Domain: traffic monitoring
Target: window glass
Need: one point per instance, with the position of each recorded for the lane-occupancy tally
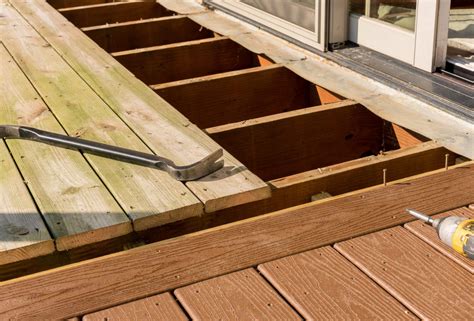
(299, 12)
(401, 13)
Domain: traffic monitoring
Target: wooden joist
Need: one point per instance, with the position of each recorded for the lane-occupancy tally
(239, 95)
(159, 125)
(74, 3)
(75, 204)
(113, 12)
(111, 280)
(160, 64)
(288, 143)
(146, 33)
(23, 234)
(82, 113)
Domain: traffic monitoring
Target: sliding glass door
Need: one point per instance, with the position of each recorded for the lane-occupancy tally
(300, 20)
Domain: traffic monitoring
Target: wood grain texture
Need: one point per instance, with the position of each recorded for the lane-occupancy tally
(160, 307)
(243, 295)
(121, 277)
(323, 285)
(150, 197)
(424, 280)
(112, 12)
(429, 235)
(146, 33)
(23, 234)
(159, 125)
(238, 95)
(75, 204)
(155, 65)
(279, 145)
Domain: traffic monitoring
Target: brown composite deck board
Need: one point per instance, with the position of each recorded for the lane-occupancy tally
(160, 307)
(429, 235)
(243, 295)
(321, 284)
(424, 280)
(121, 277)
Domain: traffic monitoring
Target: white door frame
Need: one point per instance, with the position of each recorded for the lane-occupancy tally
(424, 48)
(317, 39)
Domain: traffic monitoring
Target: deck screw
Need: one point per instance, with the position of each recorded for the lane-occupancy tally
(384, 177)
(446, 161)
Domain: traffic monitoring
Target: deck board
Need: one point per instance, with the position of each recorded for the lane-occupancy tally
(159, 125)
(23, 234)
(149, 196)
(160, 307)
(429, 235)
(424, 280)
(243, 295)
(159, 267)
(71, 197)
(323, 285)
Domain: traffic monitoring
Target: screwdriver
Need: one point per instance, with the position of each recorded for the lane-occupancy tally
(455, 231)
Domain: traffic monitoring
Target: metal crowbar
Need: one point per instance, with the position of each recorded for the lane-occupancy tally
(204, 167)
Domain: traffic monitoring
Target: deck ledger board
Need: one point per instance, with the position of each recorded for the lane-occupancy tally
(199, 256)
(159, 125)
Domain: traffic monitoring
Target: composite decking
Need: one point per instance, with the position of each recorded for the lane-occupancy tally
(150, 77)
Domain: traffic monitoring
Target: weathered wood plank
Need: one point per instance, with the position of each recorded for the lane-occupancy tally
(279, 145)
(238, 95)
(243, 295)
(160, 307)
(429, 235)
(160, 64)
(149, 196)
(322, 285)
(112, 12)
(113, 279)
(23, 234)
(75, 204)
(424, 280)
(146, 33)
(159, 125)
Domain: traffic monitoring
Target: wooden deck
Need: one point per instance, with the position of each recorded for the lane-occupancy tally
(154, 77)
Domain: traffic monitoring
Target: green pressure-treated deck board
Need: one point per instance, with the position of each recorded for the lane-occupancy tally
(149, 196)
(23, 234)
(71, 197)
(165, 130)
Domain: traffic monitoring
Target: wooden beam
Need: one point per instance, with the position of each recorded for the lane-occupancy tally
(82, 113)
(111, 280)
(196, 58)
(164, 130)
(75, 204)
(74, 3)
(146, 33)
(238, 95)
(399, 137)
(23, 234)
(335, 180)
(113, 12)
(288, 143)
